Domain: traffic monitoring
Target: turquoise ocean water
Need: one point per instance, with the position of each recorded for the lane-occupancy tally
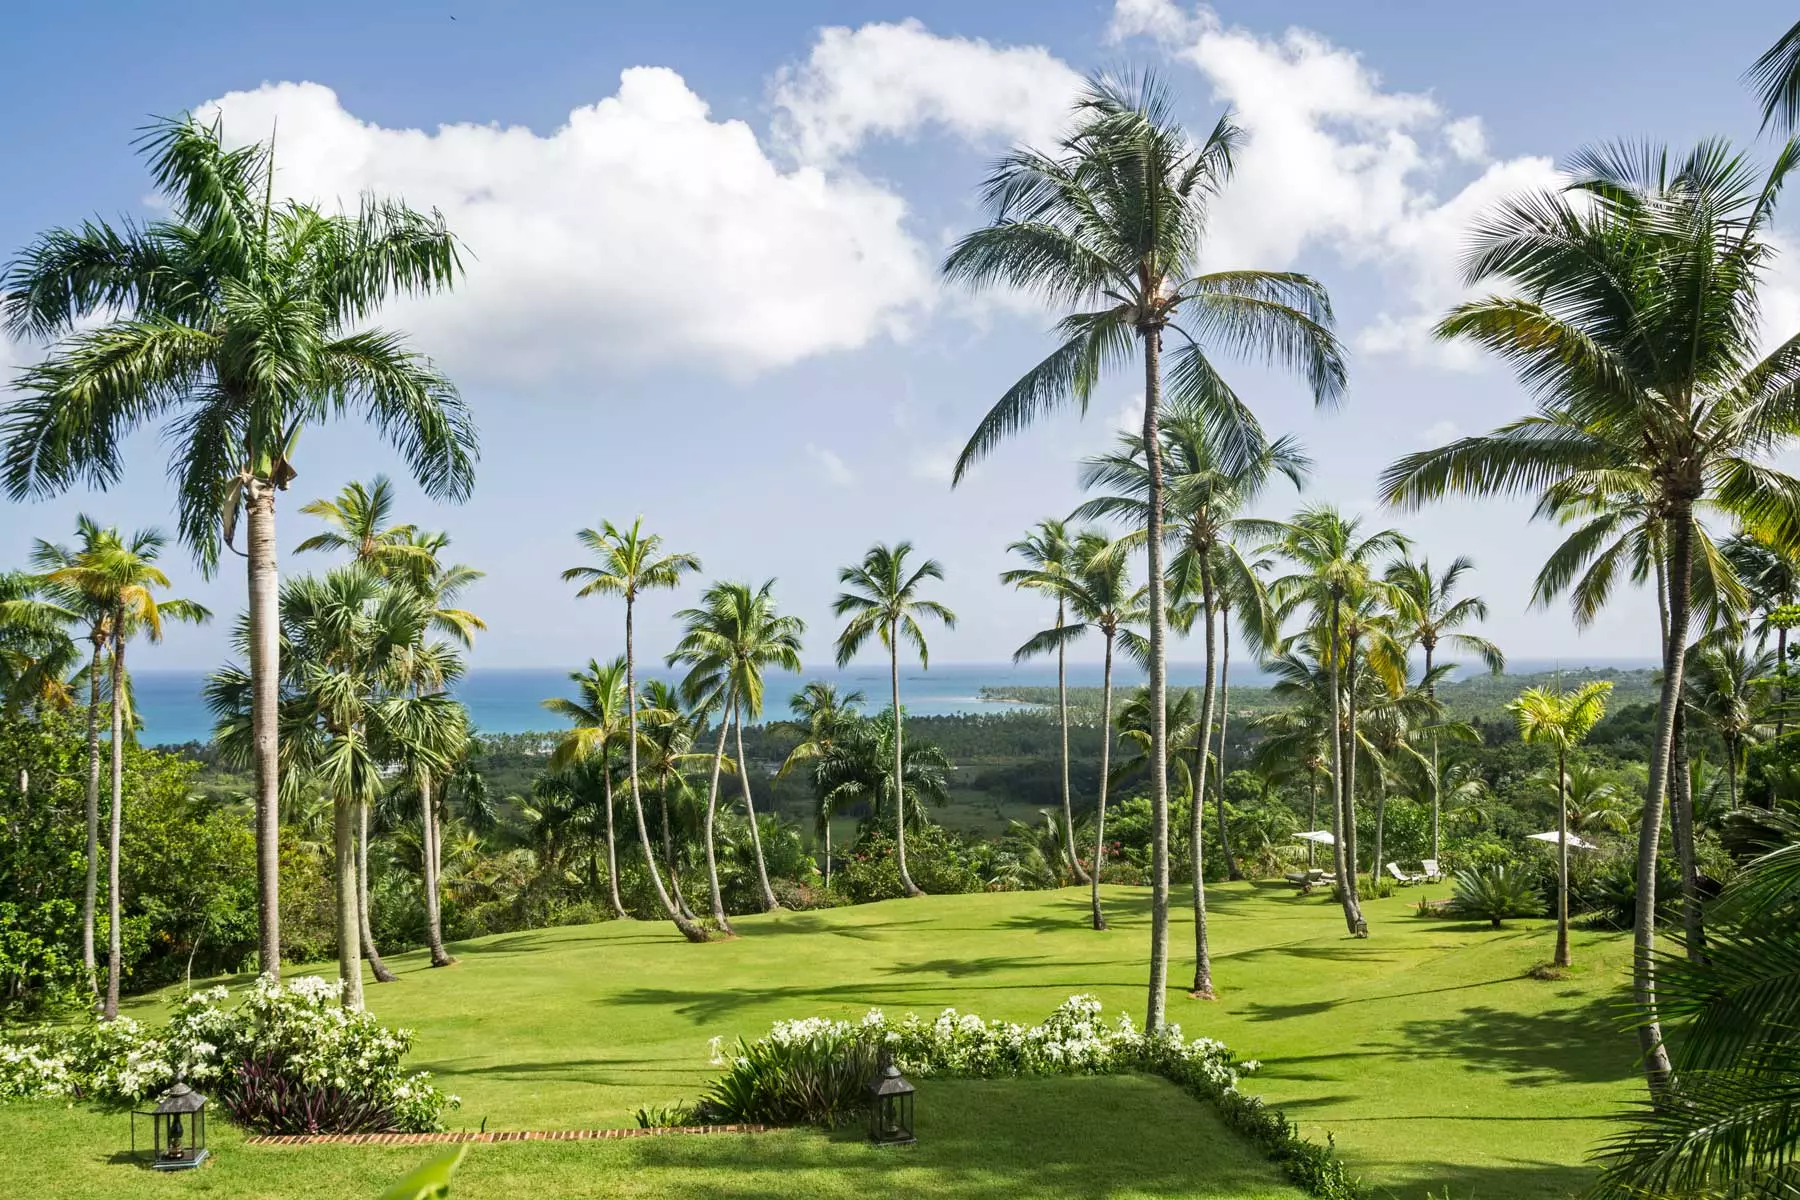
(509, 699)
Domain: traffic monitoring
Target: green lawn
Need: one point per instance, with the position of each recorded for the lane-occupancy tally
(1426, 1051)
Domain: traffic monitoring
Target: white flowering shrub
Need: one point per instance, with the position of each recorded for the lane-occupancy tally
(287, 1058)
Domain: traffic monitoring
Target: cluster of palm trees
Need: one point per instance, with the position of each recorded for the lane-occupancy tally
(729, 640)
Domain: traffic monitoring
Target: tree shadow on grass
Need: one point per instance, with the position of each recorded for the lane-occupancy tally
(1518, 1179)
(709, 1008)
(1588, 1043)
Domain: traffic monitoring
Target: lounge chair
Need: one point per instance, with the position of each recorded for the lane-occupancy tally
(1402, 877)
(1430, 867)
(1306, 881)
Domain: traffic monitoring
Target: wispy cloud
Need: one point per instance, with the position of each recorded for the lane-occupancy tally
(831, 464)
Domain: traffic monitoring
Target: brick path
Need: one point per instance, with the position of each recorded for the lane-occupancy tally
(511, 1135)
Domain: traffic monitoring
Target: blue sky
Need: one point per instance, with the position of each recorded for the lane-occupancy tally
(708, 295)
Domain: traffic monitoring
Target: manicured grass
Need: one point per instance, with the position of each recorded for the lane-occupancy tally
(1425, 1051)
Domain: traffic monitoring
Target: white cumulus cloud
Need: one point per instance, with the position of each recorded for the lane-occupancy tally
(895, 80)
(642, 232)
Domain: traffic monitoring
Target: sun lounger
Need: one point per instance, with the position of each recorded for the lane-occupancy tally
(1404, 879)
(1430, 867)
(1306, 881)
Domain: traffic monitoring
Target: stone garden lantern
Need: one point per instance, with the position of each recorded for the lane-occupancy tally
(890, 1107)
(178, 1129)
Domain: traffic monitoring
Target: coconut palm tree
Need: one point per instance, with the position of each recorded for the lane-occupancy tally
(1045, 550)
(859, 770)
(1109, 226)
(357, 521)
(38, 657)
(598, 717)
(1431, 615)
(1636, 321)
(125, 574)
(670, 733)
(1724, 695)
(727, 643)
(1771, 578)
(633, 562)
(821, 717)
(1776, 79)
(1101, 598)
(235, 322)
(1563, 720)
(1333, 579)
(882, 600)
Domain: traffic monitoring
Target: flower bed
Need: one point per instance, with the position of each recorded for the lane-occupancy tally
(814, 1071)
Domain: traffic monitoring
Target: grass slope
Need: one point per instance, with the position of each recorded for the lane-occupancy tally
(1425, 1051)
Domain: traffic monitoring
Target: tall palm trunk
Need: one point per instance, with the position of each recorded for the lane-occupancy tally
(90, 889)
(1675, 581)
(1733, 751)
(1437, 788)
(1157, 1005)
(906, 881)
(1350, 757)
(1781, 663)
(434, 917)
(114, 823)
(669, 857)
(1099, 917)
(712, 804)
(769, 903)
(1681, 781)
(1203, 988)
(1062, 715)
(265, 676)
(1563, 957)
(1312, 813)
(364, 925)
(690, 929)
(1232, 870)
(343, 828)
(612, 855)
(1346, 880)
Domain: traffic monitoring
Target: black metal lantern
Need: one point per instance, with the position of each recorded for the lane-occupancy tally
(177, 1128)
(890, 1107)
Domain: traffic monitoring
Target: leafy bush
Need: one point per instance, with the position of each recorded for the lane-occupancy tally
(1495, 894)
(815, 1071)
(937, 859)
(1380, 887)
(288, 1059)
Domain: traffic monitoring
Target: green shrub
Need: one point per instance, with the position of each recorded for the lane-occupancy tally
(1494, 894)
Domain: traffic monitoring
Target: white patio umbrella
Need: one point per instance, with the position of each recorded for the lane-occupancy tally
(1575, 843)
(1321, 836)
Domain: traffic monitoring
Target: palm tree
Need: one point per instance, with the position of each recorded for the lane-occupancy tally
(633, 562)
(93, 610)
(1776, 78)
(669, 735)
(357, 522)
(1097, 586)
(1431, 615)
(859, 769)
(1110, 223)
(233, 322)
(822, 717)
(1046, 553)
(122, 575)
(1334, 579)
(729, 640)
(1723, 695)
(1771, 578)
(37, 655)
(1637, 325)
(599, 728)
(883, 600)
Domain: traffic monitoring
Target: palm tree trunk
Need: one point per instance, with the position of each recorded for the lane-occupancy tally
(906, 882)
(1732, 750)
(828, 852)
(1312, 813)
(343, 824)
(612, 855)
(1350, 756)
(1099, 917)
(1062, 714)
(1563, 957)
(1203, 988)
(769, 903)
(1675, 582)
(1437, 787)
(712, 805)
(114, 823)
(1781, 689)
(364, 926)
(90, 889)
(265, 674)
(1681, 780)
(669, 857)
(1346, 880)
(690, 930)
(1157, 1003)
(1232, 870)
(434, 917)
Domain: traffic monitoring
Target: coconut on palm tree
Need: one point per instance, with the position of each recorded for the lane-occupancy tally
(1108, 226)
(633, 562)
(1635, 319)
(122, 573)
(1431, 614)
(235, 322)
(1046, 553)
(882, 599)
(729, 640)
